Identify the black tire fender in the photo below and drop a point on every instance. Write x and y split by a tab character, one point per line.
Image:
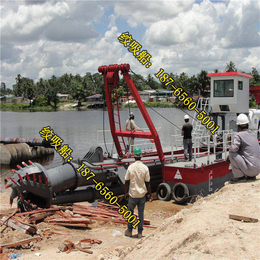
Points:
180	193
163	191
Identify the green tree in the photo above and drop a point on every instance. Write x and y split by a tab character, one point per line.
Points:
48	94
193	85
98	81
120	92
40	101
151	82
256	78
17	88
138	81
203	82
88	84
41	87
252	102
4	90
20	88
79	93
66	83
230	67
30	91
53	88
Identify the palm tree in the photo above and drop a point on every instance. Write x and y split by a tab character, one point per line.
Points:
203	81
230	67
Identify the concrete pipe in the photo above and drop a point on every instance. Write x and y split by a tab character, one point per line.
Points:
14	153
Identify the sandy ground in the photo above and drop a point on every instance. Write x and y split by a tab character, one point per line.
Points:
199	231
204	231
156	211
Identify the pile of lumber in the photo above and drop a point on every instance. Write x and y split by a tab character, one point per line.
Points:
103	212
75	216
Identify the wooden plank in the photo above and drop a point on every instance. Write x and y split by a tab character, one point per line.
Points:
90	208
39	216
242	218
90	212
101	214
70	220
100	204
148	226
41	210
21	242
84	250
27	224
25	228
109	220
78	225
2	223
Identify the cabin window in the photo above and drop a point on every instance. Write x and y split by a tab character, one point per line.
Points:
240	85
224	88
224	107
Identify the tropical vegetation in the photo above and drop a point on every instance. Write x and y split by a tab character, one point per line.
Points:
43	93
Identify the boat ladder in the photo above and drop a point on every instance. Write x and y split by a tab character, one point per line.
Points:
198	128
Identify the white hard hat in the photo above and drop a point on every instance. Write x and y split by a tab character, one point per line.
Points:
242	119
186	117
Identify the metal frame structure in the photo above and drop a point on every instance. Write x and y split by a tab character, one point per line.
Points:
111	77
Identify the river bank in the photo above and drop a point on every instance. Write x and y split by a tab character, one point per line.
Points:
156	212
25	107
199	231
205	231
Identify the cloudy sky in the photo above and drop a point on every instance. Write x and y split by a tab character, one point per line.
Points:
44	38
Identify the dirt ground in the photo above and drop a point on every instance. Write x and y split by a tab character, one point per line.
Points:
204	231
156	211
199	231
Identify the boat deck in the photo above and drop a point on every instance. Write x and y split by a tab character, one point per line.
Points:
190	164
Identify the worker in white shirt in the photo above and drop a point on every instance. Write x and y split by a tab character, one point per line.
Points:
137	184
130	126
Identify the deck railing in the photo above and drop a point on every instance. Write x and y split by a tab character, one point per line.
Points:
210	144
146	145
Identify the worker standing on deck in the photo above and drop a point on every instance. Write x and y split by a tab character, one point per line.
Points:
187	139
130	126
137	183
244	152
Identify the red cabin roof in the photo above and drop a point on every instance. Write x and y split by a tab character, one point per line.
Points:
233	73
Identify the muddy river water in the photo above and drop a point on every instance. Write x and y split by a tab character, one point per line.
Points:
79	129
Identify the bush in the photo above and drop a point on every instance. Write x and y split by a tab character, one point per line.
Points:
40	101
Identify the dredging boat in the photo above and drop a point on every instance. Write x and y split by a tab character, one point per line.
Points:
171	176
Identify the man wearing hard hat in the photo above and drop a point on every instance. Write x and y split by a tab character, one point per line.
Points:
130	126
137	185
244	152
187	141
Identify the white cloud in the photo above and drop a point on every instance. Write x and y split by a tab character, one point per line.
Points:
145	13
197	26
42	38
27	23
238	28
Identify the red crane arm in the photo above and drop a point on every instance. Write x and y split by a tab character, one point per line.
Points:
111	77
